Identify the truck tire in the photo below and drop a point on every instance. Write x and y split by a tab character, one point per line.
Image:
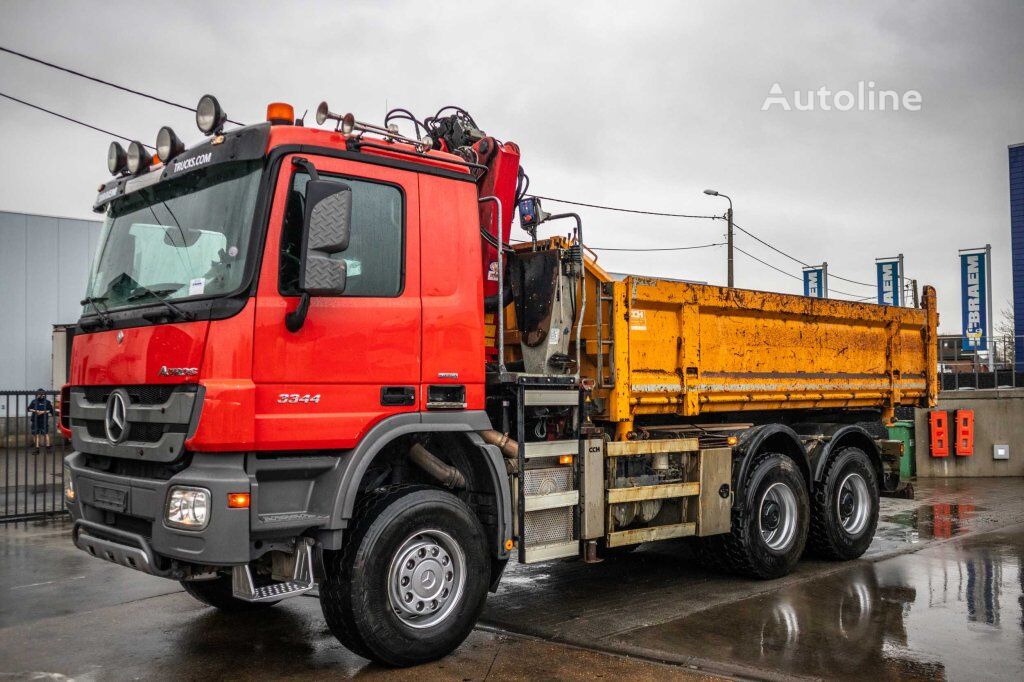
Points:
218	594
411	580
844	510
769	525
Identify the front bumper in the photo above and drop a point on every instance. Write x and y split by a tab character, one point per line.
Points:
120	517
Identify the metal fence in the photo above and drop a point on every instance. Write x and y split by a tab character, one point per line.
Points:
32	477
962	368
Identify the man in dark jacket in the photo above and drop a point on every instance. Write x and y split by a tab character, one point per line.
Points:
39	411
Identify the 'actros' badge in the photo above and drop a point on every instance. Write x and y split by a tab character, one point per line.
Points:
166	371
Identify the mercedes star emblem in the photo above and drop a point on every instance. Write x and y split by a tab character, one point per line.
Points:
116	419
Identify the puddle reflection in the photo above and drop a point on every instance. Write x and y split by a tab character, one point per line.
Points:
950	611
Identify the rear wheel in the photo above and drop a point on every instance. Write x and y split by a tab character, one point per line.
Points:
769	525
412	579
844	513
218	594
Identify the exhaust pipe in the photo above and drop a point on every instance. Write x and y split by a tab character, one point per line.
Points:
448	476
509	448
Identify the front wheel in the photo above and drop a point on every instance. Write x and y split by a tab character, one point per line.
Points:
844	513
769	524
412	579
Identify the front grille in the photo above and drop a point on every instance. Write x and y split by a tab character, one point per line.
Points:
145	433
158	419
153	394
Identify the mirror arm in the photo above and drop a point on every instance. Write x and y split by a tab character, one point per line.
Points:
306	166
296	318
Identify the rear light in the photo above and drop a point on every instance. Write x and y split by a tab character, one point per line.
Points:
280	113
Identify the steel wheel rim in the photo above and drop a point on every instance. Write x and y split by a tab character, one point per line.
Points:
777	517
853	504
426	578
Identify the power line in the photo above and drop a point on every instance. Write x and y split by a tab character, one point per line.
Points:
68	118
101	81
629	210
667	248
795	259
767	264
856	297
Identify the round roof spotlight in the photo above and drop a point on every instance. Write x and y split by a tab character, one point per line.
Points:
168	145
348	122
138	158
117	158
209	116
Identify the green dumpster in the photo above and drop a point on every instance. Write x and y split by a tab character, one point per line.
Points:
903	431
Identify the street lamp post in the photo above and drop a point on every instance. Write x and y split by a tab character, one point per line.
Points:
728	216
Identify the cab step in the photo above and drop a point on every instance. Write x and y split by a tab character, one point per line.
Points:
302	581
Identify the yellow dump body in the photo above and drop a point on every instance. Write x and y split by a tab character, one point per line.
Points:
660	347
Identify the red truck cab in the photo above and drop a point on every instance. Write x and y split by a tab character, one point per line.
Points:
225	421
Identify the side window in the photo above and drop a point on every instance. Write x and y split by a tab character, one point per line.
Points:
374	258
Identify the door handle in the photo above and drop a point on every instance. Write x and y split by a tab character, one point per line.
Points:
391	396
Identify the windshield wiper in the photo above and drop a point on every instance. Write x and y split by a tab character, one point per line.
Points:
101	313
143	291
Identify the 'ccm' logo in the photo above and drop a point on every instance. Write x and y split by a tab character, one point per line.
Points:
193	162
166	371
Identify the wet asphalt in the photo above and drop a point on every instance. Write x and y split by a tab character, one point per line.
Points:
939	595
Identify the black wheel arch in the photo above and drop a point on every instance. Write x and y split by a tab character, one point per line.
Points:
484	465
836	438
777	438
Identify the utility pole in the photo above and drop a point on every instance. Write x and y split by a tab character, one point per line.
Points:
732	279
728	216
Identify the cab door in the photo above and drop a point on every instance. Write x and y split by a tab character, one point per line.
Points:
357	358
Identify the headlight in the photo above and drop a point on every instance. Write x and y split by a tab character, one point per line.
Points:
69	485
188	508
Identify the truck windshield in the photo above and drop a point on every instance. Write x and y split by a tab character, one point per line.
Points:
187	237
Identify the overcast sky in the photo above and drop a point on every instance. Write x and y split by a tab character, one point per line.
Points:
631	104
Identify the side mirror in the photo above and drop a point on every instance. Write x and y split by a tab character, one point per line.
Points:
327	224
326	227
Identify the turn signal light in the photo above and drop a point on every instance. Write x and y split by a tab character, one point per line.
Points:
280	113
732	440
238	500
565	459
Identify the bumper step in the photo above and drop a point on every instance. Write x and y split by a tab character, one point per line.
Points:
302	581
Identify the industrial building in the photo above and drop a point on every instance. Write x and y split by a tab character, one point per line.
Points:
44	265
